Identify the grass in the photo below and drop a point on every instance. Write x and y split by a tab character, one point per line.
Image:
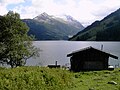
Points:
97	80
42	78
35	78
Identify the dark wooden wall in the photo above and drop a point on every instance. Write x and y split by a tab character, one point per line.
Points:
89	60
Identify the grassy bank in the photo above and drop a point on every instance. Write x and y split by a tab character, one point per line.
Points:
41	78
97	80
35	78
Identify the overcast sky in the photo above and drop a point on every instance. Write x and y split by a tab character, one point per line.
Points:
85	11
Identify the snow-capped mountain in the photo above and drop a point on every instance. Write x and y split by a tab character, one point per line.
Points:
44	17
49	27
70	20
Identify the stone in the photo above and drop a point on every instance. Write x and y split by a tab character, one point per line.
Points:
112	82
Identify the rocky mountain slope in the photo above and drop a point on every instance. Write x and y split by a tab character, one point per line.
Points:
48	27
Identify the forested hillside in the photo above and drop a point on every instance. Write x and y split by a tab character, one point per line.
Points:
108	29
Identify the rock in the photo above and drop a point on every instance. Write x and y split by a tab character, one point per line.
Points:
110	68
91	89
77	76
112	82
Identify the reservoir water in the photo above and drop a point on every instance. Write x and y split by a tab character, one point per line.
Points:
51	51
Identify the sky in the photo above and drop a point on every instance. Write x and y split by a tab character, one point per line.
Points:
85	11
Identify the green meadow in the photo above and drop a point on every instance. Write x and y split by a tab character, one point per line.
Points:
43	78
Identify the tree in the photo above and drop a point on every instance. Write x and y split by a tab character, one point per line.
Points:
15	45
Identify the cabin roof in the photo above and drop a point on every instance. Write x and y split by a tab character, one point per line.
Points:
91	48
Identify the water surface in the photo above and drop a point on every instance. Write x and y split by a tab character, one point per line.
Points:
52	51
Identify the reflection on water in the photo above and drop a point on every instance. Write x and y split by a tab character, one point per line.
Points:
52	51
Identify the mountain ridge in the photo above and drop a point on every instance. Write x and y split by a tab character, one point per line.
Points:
105	30
48	27
67	19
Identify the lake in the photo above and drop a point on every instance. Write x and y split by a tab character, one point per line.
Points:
51	51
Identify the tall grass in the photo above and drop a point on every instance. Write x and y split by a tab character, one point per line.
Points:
35	78
43	78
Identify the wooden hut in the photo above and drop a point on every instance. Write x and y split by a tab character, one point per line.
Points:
89	59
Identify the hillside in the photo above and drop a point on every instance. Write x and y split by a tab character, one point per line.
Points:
47	27
108	29
43	78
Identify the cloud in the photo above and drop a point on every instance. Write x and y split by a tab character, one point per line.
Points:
11	1
106	8
3	9
5	3
86	11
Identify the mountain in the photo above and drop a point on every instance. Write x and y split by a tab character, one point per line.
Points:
70	20
108	29
48	27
